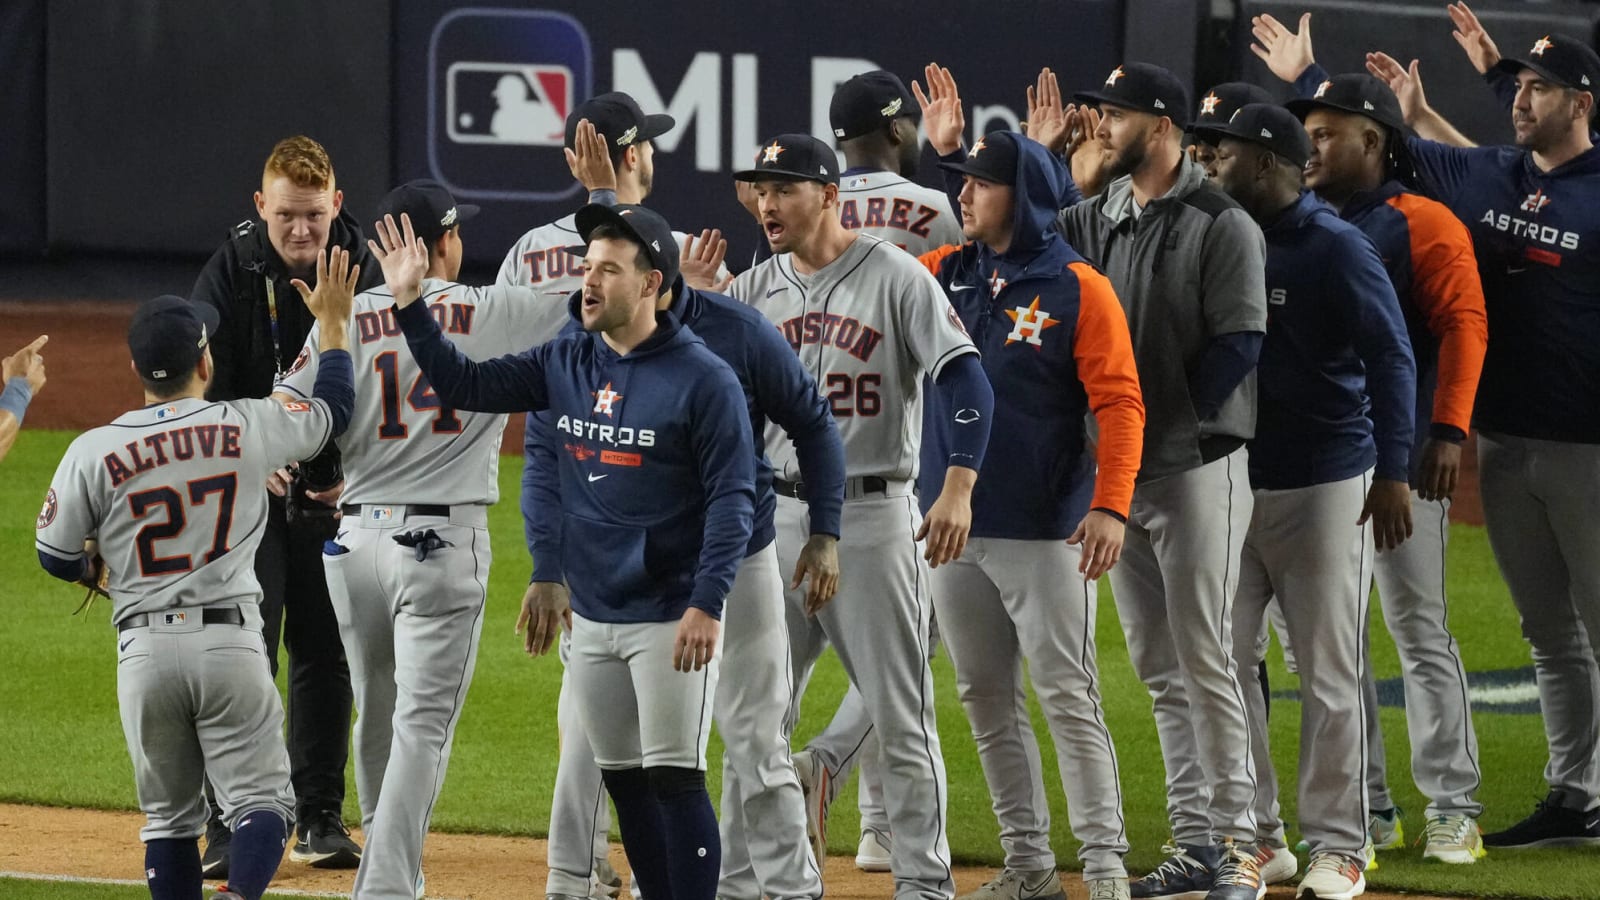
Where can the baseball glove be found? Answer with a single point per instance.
(95, 579)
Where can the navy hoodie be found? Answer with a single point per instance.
(1055, 346)
(657, 463)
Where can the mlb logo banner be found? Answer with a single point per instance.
(501, 83)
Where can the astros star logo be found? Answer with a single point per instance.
(996, 284)
(769, 154)
(1031, 322)
(1541, 45)
(1208, 104)
(1111, 80)
(1322, 89)
(1535, 202)
(977, 148)
(605, 399)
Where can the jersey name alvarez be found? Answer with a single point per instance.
(209, 441)
(887, 212)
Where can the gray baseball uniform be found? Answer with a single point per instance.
(410, 609)
(869, 326)
(1188, 267)
(916, 219)
(173, 494)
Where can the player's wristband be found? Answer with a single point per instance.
(16, 397)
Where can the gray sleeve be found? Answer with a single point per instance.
(511, 269)
(1073, 223)
(1233, 275)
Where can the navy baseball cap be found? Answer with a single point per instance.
(1266, 125)
(1143, 87)
(168, 335)
(432, 209)
(992, 158)
(795, 157)
(1560, 58)
(1220, 103)
(618, 118)
(865, 102)
(645, 225)
(1354, 92)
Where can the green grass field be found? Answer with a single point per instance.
(62, 744)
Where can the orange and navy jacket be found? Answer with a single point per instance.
(1428, 254)
(1055, 345)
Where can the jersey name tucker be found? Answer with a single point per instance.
(845, 332)
(453, 318)
(185, 442)
(551, 262)
(885, 212)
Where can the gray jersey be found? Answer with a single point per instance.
(402, 445)
(175, 494)
(868, 326)
(885, 205)
(541, 260)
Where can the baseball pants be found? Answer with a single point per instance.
(1444, 746)
(410, 629)
(878, 625)
(198, 701)
(1305, 548)
(1003, 602)
(1174, 589)
(763, 821)
(1539, 502)
(580, 817)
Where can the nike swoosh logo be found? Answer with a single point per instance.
(777, 290)
(594, 477)
(963, 287)
(124, 645)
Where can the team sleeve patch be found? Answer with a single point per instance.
(299, 361)
(48, 513)
(950, 313)
(297, 406)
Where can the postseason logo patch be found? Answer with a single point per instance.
(48, 513)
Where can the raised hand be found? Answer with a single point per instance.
(589, 159)
(335, 292)
(26, 363)
(700, 264)
(1473, 38)
(403, 256)
(1286, 53)
(942, 117)
(1405, 82)
(1090, 159)
(1049, 122)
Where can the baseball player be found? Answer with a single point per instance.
(408, 573)
(763, 814)
(1190, 280)
(1331, 454)
(609, 142)
(874, 119)
(170, 494)
(1530, 210)
(868, 322)
(299, 211)
(657, 488)
(1045, 525)
(1356, 124)
(21, 376)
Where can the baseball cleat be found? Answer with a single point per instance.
(604, 882)
(1454, 839)
(1550, 825)
(1386, 829)
(223, 893)
(1186, 875)
(323, 842)
(1011, 884)
(815, 782)
(219, 840)
(872, 854)
(1107, 889)
(1332, 876)
(1238, 877)
(1276, 864)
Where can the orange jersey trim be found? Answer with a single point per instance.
(1104, 353)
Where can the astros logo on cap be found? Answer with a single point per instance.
(1111, 80)
(1208, 104)
(1541, 45)
(770, 153)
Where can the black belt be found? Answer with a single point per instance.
(797, 489)
(412, 509)
(230, 615)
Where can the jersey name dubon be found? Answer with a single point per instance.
(882, 214)
(453, 318)
(846, 333)
(208, 441)
(1533, 231)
